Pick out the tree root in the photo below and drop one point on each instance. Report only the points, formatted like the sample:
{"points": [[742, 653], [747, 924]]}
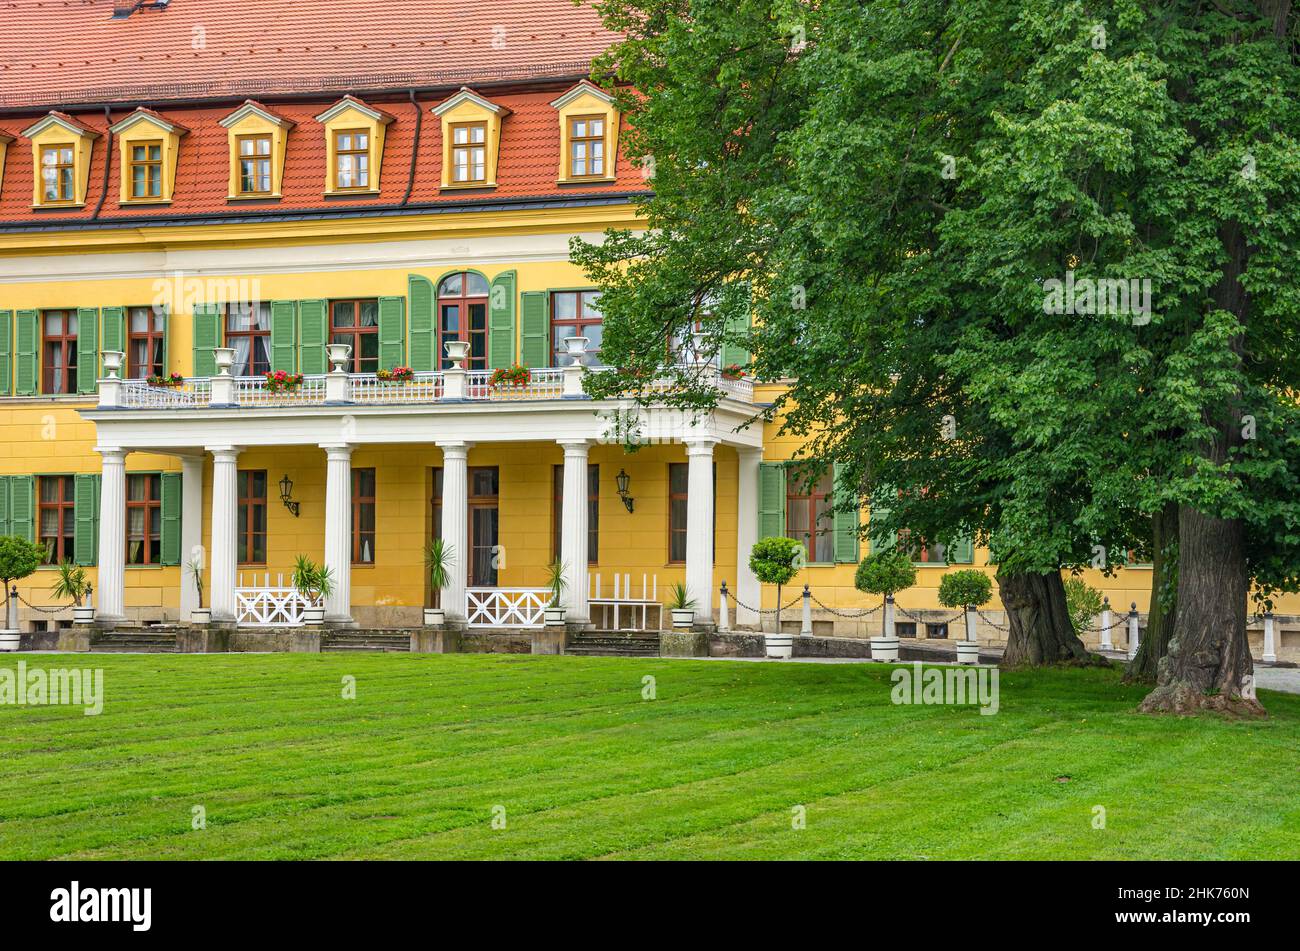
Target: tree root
{"points": [[1184, 700]]}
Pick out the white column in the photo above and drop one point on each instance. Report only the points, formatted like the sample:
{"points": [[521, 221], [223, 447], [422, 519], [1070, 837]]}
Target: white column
{"points": [[225, 535], [1133, 633], [110, 587], [699, 524], [748, 591], [191, 529], [1270, 643], [455, 525], [573, 530], [1105, 625], [338, 531]]}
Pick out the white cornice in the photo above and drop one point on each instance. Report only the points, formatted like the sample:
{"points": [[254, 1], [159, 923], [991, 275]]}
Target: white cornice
{"points": [[253, 109], [50, 120], [348, 102], [468, 95], [141, 115], [583, 88]]}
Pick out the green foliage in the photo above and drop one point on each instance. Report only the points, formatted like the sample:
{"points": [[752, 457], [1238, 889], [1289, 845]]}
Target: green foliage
{"points": [[1083, 602], [194, 568], [18, 558], [678, 600], [311, 580], [885, 572], [438, 557], [556, 582], [960, 588], [776, 560], [71, 583]]}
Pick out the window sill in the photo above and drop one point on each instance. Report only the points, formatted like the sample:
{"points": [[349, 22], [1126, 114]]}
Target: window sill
{"points": [[353, 193], [468, 186], [59, 206], [258, 197], [594, 180], [144, 202]]}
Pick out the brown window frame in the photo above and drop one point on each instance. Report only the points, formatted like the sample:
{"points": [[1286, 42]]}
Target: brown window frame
{"points": [[70, 167], [356, 332], [468, 146], [683, 496], [66, 507], [66, 344], [150, 165], [255, 159], [151, 337], [228, 336], [248, 505], [799, 493], [359, 501], [575, 139], [152, 506], [339, 152], [593, 511], [576, 323], [464, 332]]}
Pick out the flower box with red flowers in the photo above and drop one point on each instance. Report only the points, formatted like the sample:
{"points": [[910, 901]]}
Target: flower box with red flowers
{"points": [[171, 379], [395, 375], [279, 381], [510, 377], [734, 371]]}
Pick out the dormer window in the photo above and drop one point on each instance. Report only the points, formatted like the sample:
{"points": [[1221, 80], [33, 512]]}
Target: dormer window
{"points": [[469, 153], [61, 148], [58, 171], [146, 170], [471, 139], [254, 164], [354, 146], [588, 134], [351, 160], [587, 147]]}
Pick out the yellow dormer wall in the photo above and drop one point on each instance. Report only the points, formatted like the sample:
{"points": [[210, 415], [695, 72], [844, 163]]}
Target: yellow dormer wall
{"points": [[147, 129], [4, 154], [588, 100], [463, 107], [58, 133], [249, 120], [348, 115]]}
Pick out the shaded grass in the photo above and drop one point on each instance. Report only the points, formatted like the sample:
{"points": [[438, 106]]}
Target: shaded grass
{"points": [[583, 767]]}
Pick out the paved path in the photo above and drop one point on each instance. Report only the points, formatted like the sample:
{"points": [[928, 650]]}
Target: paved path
{"points": [[1286, 679]]}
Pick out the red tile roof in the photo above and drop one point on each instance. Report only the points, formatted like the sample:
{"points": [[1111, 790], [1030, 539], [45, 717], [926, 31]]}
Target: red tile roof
{"points": [[528, 166], [73, 52]]}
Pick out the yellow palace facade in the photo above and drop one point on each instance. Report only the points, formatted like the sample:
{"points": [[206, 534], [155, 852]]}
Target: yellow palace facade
{"points": [[339, 320]]}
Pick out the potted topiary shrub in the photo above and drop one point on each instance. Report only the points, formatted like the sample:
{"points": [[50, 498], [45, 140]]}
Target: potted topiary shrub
{"points": [[777, 560], [72, 585], [314, 582], [18, 559], [555, 582], [967, 589], [194, 568], [884, 573], [438, 556], [681, 605]]}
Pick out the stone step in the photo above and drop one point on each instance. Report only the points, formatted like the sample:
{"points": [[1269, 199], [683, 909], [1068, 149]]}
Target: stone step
{"points": [[614, 644]]}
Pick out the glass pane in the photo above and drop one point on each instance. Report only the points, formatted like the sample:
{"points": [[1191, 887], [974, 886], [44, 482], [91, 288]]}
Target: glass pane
{"points": [[53, 324], [49, 490], [135, 488], [478, 316], [677, 476], [450, 287], [593, 333], [796, 519], [369, 313], [476, 285], [450, 320], [566, 306], [345, 314], [579, 126], [365, 481], [139, 320]]}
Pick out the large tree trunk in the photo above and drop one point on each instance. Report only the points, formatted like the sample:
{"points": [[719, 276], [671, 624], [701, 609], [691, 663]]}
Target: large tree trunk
{"points": [[1164, 601], [1208, 664], [1040, 629]]}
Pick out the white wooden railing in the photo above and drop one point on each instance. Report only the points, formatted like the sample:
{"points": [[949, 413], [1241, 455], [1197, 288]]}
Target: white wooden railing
{"points": [[252, 391], [637, 603], [268, 605], [423, 387], [193, 392], [506, 607]]}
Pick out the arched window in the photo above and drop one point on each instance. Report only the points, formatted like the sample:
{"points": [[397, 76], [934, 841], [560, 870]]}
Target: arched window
{"points": [[463, 315]]}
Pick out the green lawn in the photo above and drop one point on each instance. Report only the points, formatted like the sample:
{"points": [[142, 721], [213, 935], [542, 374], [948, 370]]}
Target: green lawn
{"points": [[585, 768]]}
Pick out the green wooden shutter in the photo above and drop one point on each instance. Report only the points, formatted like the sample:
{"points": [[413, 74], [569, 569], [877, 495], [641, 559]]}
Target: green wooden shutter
{"points": [[733, 352], [114, 333], [420, 291], [87, 349], [86, 508], [312, 334], [501, 321], [284, 335], [4, 505], [22, 506], [171, 518], [846, 523], [880, 542], [771, 500], [6, 351], [962, 551], [392, 332], [534, 322], [207, 337], [27, 353]]}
